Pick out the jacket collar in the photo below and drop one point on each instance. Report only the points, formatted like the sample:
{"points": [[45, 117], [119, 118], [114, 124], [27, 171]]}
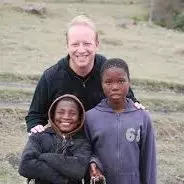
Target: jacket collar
{"points": [[96, 68]]}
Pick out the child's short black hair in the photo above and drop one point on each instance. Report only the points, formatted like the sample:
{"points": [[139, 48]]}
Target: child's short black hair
{"points": [[115, 62], [79, 108]]}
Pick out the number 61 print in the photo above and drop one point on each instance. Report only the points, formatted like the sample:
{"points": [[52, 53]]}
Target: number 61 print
{"points": [[133, 135]]}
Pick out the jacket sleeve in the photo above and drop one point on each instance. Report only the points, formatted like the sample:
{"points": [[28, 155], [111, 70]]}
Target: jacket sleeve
{"points": [[73, 167], [131, 96], [32, 167], [93, 158], [148, 154], [37, 114]]}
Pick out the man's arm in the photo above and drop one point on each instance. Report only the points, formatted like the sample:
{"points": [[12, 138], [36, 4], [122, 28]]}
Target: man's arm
{"points": [[37, 114]]}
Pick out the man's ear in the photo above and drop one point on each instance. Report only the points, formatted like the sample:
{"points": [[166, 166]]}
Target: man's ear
{"points": [[97, 43]]}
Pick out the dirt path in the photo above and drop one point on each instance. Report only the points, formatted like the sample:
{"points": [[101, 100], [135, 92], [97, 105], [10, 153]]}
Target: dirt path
{"points": [[11, 105], [17, 86], [24, 92]]}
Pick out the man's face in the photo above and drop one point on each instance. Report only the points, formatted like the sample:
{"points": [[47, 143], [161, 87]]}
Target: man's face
{"points": [[82, 46], [66, 116]]}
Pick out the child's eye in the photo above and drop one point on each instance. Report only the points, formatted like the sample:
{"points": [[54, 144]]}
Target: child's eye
{"points": [[108, 82], [72, 113], [60, 112], [122, 81]]}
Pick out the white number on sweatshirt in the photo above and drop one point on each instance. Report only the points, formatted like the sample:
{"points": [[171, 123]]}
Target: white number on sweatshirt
{"points": [[133, 135]]}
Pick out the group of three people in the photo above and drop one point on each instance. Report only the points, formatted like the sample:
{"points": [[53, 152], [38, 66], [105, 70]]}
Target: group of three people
{"points": [[118, 141]]}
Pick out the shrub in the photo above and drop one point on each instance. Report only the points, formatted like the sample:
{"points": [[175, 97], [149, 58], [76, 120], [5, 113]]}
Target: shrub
{"points": [[178, 22], [167, 13]]}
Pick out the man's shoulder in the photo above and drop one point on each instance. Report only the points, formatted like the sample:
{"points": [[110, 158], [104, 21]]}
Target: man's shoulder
{"points": [[56, 69], [100, 59]]}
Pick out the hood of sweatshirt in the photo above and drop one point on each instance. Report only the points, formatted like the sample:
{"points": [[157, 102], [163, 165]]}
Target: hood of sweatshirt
{"points": [[52, 110], [105, 106]]}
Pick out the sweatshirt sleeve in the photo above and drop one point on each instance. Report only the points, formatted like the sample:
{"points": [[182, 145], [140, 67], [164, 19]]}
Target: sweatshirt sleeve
{"points": [[74, 166], [32, 167], [131, 96], [37, 114], [148, 154], [93, 158]]}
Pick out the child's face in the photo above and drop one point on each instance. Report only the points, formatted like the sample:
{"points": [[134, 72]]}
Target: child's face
{"points": [[115, 84], [66, 116]]}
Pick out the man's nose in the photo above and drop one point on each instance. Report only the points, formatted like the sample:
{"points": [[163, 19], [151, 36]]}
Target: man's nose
{"points": [[81, 48]]}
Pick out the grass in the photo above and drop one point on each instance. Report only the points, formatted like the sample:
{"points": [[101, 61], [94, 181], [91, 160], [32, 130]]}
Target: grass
{"points": [[15, 96], [143, 47], [156, 85], [169, 162], [111, 41], [145, 84], [88, 1], [153, 103], [8, 174], [14, 77], [163, 105], [169, 129], [31, 43], [169, 137]]}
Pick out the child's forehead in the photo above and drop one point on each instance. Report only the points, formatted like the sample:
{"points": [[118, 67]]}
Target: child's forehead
{"points": [[67, 103], [115, 69]]}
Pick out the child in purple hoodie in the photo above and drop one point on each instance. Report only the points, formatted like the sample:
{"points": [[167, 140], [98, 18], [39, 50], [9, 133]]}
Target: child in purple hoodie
{"points": [[121, 135]]}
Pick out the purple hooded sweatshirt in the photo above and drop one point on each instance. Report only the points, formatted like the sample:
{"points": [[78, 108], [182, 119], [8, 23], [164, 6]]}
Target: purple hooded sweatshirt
{"points": [[123, 142]]}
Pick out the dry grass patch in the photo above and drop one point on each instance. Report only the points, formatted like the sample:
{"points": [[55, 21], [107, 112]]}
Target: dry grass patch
{"points": [[89, 1], [12, 77], [9, 175], [170, 150], [15, 96], [169, 129], [179, 51], [12, 120], [169, 145], [163, 104], [111, 41], [13, 131], [156, 85], [170, 161], [30, 44]]}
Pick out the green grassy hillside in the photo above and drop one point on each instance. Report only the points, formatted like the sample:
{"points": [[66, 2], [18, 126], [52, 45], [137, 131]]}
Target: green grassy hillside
{"points": [[29, 43]]}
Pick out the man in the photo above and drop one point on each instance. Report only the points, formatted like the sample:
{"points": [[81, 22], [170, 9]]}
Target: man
{"points": [[78, 73]]}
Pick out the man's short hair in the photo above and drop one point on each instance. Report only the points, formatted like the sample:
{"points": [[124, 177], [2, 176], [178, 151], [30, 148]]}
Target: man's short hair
{"points": [[82, 20]]}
